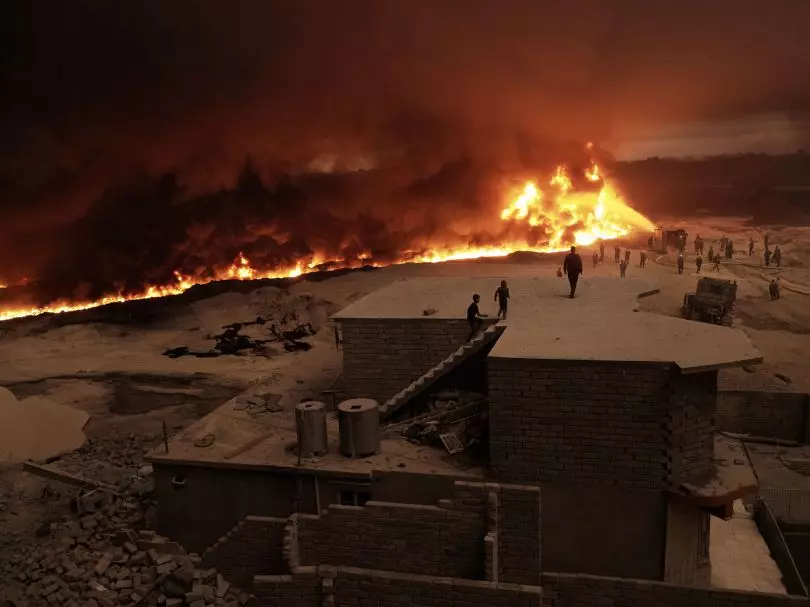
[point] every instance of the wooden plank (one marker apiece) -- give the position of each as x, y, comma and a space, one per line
65, 477
249, 445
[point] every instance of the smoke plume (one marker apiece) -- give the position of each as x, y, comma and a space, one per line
140, 138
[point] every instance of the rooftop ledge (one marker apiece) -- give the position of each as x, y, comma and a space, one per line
599, 325
733, 478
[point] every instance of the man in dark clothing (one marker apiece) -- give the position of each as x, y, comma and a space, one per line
767, 256
601, 251
698, 262
642, 259
777, 256
572, 266
750, 247
502, 297
616, 254
474, 316
680, 263
595, 258
627, 257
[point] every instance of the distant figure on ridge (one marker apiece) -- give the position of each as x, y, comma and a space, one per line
680, 263
622, 268
642, 259
750, 247
777, 256
773, 288
767, 256
474, 316
617, 252
572, 266
602, 251
502, 297
699, 262
627, 256
595, 258
711, 253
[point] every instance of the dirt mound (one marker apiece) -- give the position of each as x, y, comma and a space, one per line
36, 428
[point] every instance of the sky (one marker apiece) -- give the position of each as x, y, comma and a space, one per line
100, 100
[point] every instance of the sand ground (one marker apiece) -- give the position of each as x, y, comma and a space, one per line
117, 374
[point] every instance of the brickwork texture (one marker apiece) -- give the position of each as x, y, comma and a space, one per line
382, 356
353, 587
630, 425
396, 537
781, 415
591, 423
445, 540
571, 590
693, 400
301, 589
254, 547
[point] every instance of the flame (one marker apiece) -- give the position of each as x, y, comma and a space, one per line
566, 216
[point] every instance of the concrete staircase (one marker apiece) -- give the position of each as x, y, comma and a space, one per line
419, 386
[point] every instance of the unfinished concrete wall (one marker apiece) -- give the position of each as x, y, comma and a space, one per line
691, 427
579, 422
254, 547
204, 503
603, 531
382, 356
570, 590
781, 415
683, 561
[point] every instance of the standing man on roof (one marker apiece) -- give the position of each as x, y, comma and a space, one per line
572, 266
502, 297
474, 316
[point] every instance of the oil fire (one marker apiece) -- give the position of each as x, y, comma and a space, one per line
565, 216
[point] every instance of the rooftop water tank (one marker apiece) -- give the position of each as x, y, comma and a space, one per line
310, 426
359, 423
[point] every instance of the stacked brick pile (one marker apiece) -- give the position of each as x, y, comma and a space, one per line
96, 568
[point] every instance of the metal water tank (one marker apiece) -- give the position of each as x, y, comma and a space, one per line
359, 423
310, 425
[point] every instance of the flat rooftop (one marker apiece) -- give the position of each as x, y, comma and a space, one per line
242, 439
600, 324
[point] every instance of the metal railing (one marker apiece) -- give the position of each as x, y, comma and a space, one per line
789, 505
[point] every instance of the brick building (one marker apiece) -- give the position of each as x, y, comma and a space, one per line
602, 414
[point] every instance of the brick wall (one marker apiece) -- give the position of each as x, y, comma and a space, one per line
514, 522
254, 547
576, 421
446, 540
396, 537
771, 414
359, 588
571, 590
682, 564
382, 356
301, 589
691, 425
214, 500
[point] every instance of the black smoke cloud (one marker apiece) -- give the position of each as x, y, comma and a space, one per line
137, 138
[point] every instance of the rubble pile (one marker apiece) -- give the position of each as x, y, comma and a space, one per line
96, 569
101, 552
450, 413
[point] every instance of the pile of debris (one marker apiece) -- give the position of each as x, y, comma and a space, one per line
456, 421
123, 568
288, 331
94, 558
